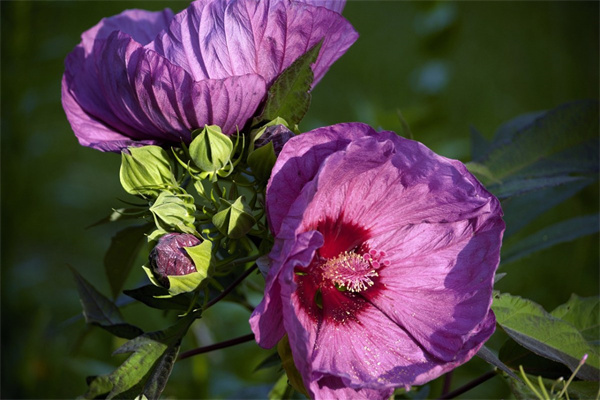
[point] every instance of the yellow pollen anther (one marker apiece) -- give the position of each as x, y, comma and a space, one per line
350, 271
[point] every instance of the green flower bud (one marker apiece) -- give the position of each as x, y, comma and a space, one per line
174, 212
234, 220
145, 171
180, 262
211, 150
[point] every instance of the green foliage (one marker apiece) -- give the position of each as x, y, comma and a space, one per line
160, 298
121, 255
261, 162
563, 231
532, 327
289, 95
147, 369
100, 311
211, 150
234, 220
145, 171
541, 150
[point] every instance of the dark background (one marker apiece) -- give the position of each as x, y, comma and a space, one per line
445, 66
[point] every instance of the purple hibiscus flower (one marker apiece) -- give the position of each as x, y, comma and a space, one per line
144, 77
383, 264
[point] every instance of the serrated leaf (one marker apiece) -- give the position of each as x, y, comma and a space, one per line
561, 232
162, 371
152, 357
289, 96
100, 311
121, 255
535, 329
154, 296
584, 314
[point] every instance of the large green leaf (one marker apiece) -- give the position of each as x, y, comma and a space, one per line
146, 370
289, 96
121, 255
535, 329
584, 314
563, 231
100, 311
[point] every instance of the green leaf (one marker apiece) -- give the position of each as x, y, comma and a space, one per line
517, 187
174, 212
541, 138
211, 149
561, 232
235, 220
121, 255
584, 314
287, 362
156, 297
535, 329
514, 355
488, 356
100, 311
261, 161
145, 171
120, 214
152, 358
519, 211
289, 96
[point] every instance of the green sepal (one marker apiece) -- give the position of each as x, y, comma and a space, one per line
261, 161
234, 220
211, 150
174, 212
289, 96
145, 171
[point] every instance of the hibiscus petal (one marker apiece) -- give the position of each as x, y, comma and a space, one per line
333, 5
443, 289
299, 162
174, 103
223, 38
141, 25
371, 351
267, 319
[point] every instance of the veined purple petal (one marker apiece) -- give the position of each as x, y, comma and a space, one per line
141, 25
215, 39
333, 5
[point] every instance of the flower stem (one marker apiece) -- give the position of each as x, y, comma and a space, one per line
474, 383
229, 288
447, 383
216, 346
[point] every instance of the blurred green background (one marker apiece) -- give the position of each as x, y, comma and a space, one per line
444, 66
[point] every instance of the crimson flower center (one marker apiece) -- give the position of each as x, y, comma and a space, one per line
350, 271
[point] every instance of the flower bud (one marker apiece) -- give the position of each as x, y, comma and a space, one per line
145, 171
211, 150
169, 257
277, 134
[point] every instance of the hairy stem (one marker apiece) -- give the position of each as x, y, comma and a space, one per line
216, 346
